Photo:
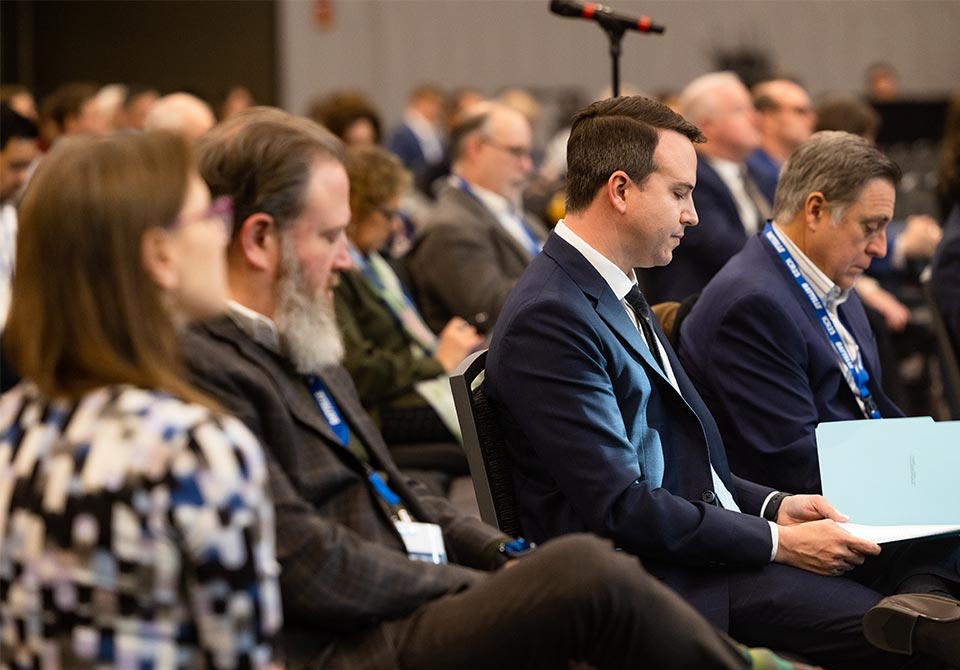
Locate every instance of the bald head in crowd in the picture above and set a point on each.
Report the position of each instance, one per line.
(491, 148)
(180, 113)
(720, 105)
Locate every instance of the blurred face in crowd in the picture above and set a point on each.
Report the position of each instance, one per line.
(731, 128)
(501, 154)
(843, 249)
(88, 120)
(313, 253)
(360, 132)
(15, 160)
(790, 123)
(376, 229)
(659, 210)
(199, 237)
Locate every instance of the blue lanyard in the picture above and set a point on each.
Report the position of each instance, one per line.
(533, 244)
(858, 373)
(339, 427)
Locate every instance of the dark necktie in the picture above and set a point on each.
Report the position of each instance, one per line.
(639, 304)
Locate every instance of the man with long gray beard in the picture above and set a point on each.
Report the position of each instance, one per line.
(374, 572)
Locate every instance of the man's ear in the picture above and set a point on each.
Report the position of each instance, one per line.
(259, 242)
(617, 185)
(157, 258)
(815, 209)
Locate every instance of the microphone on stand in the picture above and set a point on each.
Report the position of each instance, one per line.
(605, 16)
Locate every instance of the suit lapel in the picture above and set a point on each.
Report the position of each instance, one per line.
(605, 302)
(491, 222)
(288, 383)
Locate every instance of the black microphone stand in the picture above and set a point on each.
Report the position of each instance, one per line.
(614, 31)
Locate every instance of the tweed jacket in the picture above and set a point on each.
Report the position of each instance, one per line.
(464, 263)
(344, 569)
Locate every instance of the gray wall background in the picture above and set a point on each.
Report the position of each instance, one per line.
(384, 47)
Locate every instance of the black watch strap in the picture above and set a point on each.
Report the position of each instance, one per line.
(772, 509)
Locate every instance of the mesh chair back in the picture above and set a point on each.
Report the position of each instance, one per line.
(946, 349)
(483, 442)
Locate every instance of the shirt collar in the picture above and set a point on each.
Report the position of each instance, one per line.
(495, 202)
(729, 171)
(831, 294)
(618, 282)
(261, 329)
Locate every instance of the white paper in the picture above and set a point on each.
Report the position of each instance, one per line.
(882, 534)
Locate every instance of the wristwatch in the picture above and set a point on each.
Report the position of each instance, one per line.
(772, 509)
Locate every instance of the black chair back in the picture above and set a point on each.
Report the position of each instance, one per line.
(483, 442)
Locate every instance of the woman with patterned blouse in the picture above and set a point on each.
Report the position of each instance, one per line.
(135, 527)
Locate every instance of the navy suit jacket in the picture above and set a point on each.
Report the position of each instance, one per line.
(707, 246)
(756, 351)
(602, 442)
(765, 172)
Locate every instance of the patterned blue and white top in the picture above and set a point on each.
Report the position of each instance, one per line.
(135, 533)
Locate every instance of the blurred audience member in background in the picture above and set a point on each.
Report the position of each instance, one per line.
(398, 365)
(478, 240)
(136, 106)
(182, 113)
(72, 109)
(18, 149)
(135, 522)
(19, 98)
(786, 118)
(728, 201)
(349, 115)
(237, 99)
(419, 140)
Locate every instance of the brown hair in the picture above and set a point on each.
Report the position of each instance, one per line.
(261, 157)
(67, 100)
(376, 176)
(84, 312)
(341, 110)
(617, 134)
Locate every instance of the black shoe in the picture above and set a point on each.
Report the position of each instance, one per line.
(914, 622)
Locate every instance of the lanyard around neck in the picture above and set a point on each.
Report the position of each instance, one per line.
(330, 412)
(859, 377)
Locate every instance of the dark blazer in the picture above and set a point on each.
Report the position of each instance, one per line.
(602, 442)
(379, 357)
(405, 144)
(765, 172)
(464, 263)
(344, 568)
(757, 352)
(946, 274)
(705, 247)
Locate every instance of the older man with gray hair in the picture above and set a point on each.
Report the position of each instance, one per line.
(779, 341)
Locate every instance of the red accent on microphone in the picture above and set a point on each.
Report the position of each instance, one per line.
(644, 24)
(589, 9)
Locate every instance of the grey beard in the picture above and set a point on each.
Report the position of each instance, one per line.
(307, 322)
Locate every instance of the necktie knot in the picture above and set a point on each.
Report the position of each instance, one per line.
(639, 304)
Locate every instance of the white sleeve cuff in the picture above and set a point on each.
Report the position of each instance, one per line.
(766, 501)
(775, 538)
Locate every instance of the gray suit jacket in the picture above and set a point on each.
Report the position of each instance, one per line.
(344, 569)
(464, 263)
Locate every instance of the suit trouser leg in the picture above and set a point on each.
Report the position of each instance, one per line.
(574, 598)
(819, 617)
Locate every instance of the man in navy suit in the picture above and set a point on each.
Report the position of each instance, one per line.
(728, 199)
(608, 435)
(756, 344)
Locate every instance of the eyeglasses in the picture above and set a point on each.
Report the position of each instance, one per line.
(220, 208)
(389, 214)
(517, 152)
